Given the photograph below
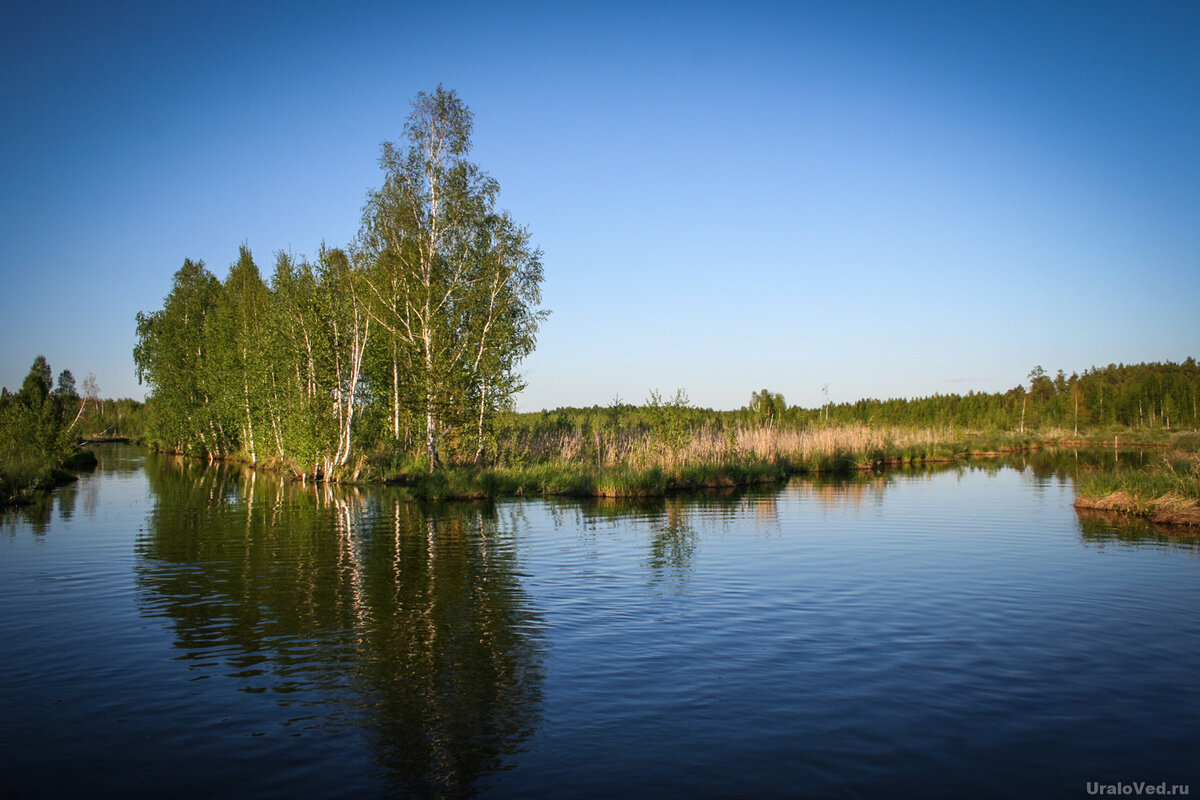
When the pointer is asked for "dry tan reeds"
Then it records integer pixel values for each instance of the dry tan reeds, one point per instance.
(1171, 508)
(642, 450)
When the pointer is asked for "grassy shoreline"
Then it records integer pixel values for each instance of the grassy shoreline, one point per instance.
(834, 454)
(1167, 509)
(21, 480)
(632, 464)
(1166, 491)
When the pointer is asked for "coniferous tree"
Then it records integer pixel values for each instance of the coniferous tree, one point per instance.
(36, 386)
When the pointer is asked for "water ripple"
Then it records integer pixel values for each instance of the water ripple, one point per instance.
(961, 633)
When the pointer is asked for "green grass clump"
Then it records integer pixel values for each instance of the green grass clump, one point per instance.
(1187, 442)
(624, 482)
(468, 483)
(831, 464)
(1176, 474)
(21, 477)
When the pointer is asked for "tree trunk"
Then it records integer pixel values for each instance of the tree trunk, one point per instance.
(431, 435)
(479, 427)
(356, 357)
(395, 396)
(430, 416)
(246, 400)
(273, 412)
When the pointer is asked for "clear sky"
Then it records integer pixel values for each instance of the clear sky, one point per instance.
(894, 199)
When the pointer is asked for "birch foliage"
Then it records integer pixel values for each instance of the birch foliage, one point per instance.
(412, 335)
(452, 281)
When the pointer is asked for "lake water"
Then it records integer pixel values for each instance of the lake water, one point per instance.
(180, 630)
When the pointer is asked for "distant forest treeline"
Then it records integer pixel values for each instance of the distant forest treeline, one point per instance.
(1136, 396)
(1155, 395)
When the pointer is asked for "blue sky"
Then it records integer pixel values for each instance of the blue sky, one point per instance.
(891, 199)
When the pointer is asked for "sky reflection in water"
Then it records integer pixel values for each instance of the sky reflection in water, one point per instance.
(194, 629)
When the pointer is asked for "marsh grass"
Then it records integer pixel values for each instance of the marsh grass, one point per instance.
(1166, 490)
(817, 449)
(1176, 474)
(1185, 442)
(22, 476)
(641, 461)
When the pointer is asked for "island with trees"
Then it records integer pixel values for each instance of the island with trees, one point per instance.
(395, 359)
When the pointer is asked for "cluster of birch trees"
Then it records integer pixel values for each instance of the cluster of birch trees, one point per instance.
(407, 340)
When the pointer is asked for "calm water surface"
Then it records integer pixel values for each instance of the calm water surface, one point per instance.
(172, 629)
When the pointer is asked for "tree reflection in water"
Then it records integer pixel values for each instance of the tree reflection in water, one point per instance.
(407, 622)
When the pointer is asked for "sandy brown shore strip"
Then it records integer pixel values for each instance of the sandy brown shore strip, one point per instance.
(1170, 509)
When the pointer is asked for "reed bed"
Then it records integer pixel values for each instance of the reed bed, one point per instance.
(640, 460)
(1165, 492)
(816, 449)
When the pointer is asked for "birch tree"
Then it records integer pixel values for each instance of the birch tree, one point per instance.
(420, 322)
(454, 283)
(349, 329)
(237, 360)
(171, 357)
(502, 318)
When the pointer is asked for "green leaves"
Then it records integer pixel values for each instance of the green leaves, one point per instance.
(412, 334)
(453, 282)
(172, 356)
(36, 425)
